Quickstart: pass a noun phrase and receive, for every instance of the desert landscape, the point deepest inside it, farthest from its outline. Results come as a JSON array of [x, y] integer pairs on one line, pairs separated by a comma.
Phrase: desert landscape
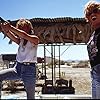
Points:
[[80, 77], [80, 81], [78, 73]]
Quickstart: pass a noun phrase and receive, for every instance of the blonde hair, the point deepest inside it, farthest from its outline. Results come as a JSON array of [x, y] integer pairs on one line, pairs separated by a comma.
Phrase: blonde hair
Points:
[[24, 22], [90, 6]]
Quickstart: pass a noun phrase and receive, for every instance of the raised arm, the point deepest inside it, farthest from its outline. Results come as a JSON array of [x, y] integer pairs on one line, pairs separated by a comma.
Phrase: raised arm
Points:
[[14, 33], [32, 38]]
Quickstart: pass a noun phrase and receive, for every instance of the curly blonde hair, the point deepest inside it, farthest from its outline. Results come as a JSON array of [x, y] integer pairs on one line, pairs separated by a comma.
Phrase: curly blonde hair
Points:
[[89, 7]]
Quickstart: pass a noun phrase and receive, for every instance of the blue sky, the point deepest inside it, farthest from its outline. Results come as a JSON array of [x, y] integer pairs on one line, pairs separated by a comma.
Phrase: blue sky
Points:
[[16, 9]]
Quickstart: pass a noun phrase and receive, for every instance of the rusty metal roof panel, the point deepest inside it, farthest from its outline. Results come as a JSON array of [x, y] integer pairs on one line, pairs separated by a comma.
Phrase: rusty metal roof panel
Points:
[[60, 30]]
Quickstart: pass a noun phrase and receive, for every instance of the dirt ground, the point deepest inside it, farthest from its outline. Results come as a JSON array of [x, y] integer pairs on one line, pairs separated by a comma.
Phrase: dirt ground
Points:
[[80, 77], [81, 80]]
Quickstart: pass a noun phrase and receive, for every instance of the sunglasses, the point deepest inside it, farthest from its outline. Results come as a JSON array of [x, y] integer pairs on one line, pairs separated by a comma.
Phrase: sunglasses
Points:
[[97, 10]]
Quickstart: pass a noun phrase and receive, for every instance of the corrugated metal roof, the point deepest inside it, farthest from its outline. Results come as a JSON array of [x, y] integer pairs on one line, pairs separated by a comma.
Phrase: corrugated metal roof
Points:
[[53, 20], [62, 19]]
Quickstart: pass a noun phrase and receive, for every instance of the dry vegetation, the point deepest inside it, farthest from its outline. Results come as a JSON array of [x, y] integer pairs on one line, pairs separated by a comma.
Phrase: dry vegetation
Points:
[[78, 72]]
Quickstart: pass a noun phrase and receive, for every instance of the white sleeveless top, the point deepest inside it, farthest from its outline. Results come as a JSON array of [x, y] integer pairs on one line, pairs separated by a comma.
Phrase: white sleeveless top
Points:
[[27, 53]]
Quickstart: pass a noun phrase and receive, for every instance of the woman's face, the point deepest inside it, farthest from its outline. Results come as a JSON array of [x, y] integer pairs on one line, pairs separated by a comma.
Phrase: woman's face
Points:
[[25, 28], [24, 25], [94, 18]]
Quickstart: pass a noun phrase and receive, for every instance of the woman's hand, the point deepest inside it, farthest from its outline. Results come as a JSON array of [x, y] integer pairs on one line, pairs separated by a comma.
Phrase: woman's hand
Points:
[[0, 29], [5, 27]]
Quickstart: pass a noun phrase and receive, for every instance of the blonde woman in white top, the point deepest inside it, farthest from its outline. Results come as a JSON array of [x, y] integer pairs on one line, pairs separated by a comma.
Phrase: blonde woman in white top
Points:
[[26, 58]]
